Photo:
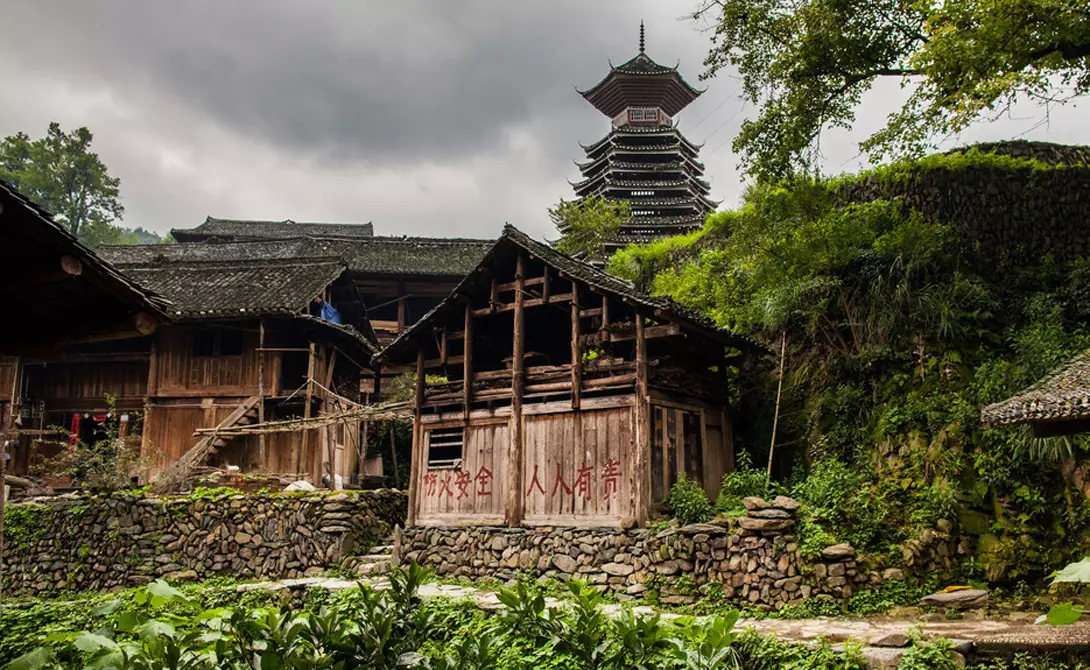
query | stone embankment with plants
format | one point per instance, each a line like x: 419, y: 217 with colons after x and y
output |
x: 753, y: 559
x: 98, y: 542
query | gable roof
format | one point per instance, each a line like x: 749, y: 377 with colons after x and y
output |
x: 422, y: 256
x: 91, y: 291
x: 239, y: 289
x: 576, y: 270
x: 236, y: 229
x: 1063, y: 394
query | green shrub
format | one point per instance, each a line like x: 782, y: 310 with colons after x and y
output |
x: 745, y: 481
x: 690, y: 503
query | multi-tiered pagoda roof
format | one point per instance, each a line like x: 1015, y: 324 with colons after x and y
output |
x: 645, y: 159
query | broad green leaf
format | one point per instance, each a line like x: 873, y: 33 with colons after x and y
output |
x: 91, y: 642
x: 155, y: 629
x: 162, y: 593
x: 107, y: 608
x: 1075, y: 572
x: 1063, y: 614
x: 32, y: 660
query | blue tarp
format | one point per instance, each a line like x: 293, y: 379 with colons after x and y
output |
x: 330, y: 313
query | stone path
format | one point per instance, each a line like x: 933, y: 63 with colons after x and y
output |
x: 879, y: 636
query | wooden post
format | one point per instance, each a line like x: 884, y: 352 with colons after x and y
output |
x: 493, y: 295
x: 393, y: 451
x: 443, y: 351
x: 605, y: 311
x: 776, y: 416
x: 6, y: 405
x: 261, y: 452
x: 576, y: 353
x: 467, y: 363
x: 642, y: 435
x: 516, y: 456
x: 418, y: 463
x: 361, y: 450
x: 152, y: 390
x: 306, y: 410
x: 545, y: 285
x: 402, y: 314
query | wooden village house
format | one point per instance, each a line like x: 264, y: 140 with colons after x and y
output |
x: 248, y: 344
x: 551, y: 393
x: 241, y: 350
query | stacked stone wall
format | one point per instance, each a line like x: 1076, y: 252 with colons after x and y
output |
x: 1000, y: 211
x: 95, y: 542
x: 753, y: 559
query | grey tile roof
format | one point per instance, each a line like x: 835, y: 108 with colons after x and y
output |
x: 422, y: 256
x: 1061, y: 395
x: 235, y: 229
x: 579, y: 271
x: 238, y: 289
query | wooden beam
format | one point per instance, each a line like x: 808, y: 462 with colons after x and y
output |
x: 576, y: 353
x: 402, y: 314
x: 306, y: 410
x: 467, y: 361
x: 650, y: 333
x: 642, y: 433
x: 262, y: 454
x: 513, y: 509
x: 532, y: 281
x: 416, y: 467
x: 533, y: 302
x: 38, y: 273
x: 584, y: 313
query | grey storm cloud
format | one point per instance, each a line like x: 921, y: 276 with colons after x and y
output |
x: 390, y: 83
x: 428, y: 117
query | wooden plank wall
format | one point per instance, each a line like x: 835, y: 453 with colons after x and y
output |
x: 83, y: 386
x: 169, y: 426
x: 180, y: 373
x: 580, y: 468
x: 473, y: 493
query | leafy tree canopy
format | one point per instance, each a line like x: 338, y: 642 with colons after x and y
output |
x: 587, y: 224
x: 62, y: 174
x: 807, y: 64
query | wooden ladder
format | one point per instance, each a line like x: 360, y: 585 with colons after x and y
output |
x: 176, y: 473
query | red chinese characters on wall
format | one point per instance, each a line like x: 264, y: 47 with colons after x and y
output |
x: 456, y: 483
x: 583, y: 484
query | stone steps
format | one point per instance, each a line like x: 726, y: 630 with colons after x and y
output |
x: 377, y: 561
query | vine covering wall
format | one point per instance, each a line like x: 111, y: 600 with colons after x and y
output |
x: 97, y: 542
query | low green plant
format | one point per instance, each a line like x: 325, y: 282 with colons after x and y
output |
x: 689, y: 502
x: 743, y: 482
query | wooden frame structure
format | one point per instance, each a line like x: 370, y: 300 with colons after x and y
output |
x: 549, y: 393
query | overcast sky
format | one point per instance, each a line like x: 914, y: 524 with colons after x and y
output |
x: 428, y: 118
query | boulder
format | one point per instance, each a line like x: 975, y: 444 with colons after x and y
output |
x: 838, y: 552
x: 785, y: 503
x: 891, y: 640
x: 564, y: 563
x: 765, y: 524
x: 770, y: 513
x: 754, y: 503
x: 959, y: 599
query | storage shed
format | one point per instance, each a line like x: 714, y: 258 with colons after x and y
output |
x: 551, y: 393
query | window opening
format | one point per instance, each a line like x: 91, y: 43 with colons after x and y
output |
x: 445, y: 447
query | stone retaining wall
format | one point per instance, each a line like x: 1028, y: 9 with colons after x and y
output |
x: 95, y: 542
x: 753, y: 559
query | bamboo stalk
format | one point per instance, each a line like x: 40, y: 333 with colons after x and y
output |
x: 776, y: 416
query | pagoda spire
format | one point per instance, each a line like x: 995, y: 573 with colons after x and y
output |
x: 645, y: 159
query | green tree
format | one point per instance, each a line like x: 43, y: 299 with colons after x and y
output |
x: 586, y: 225
x: 807, y: 63
x: 62, y: 174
